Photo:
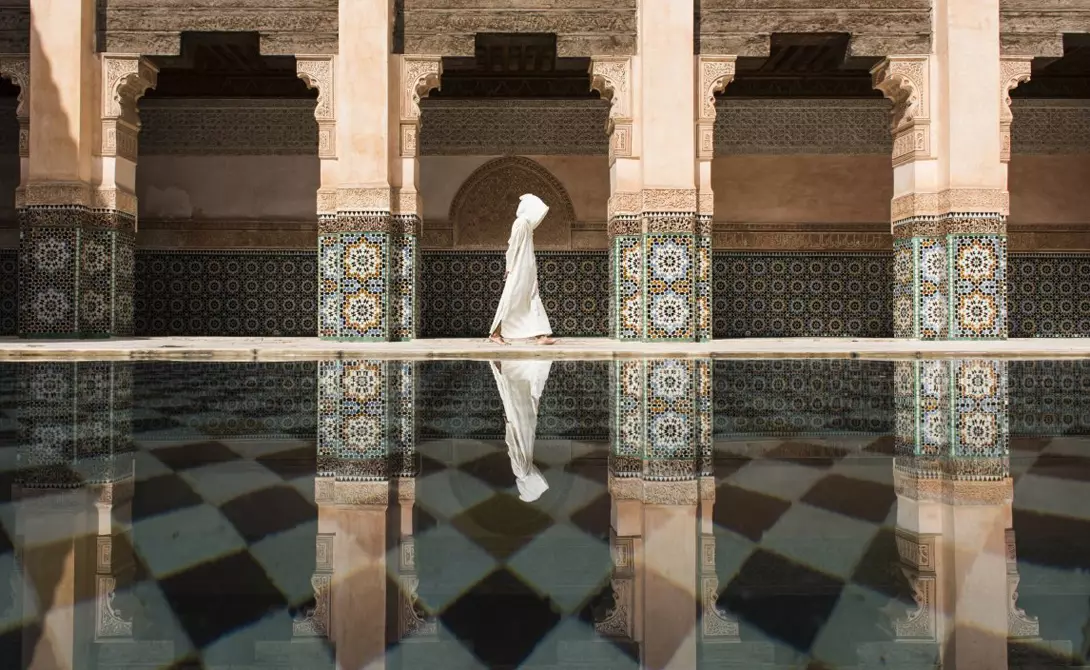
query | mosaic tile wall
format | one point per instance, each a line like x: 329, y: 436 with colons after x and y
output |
x: 9, y: 283
x: 458, y: 399
x: 801, y: 295
x: 1049, y: 294
x: 460, y: 291
x: 226, y: 293
x: 1049, y: 397
x: 818, y: 294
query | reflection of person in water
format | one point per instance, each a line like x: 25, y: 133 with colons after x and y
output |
x: 520, y: 384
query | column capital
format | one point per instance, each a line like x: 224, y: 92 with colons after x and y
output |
x: 319, y: 72
x: 905, y: 81
x: 611, y: 77
x: 1013, y: 71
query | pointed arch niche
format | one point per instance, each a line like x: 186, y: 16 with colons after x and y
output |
x: 484, y: 206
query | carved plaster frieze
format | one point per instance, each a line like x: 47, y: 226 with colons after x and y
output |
x: 1013, y: 70
x: 669, y: 200
x: 323, y: 490
x: 419, y: 76
x: 56, y: 193
x: 905, y: 80
x: 622, y: 550
x: 363, y: 199
x: 327, y: 201
x: 986, y: 200
x: 671, y: 493
x: 117, y: 199
x: 406, y: 202
x: 611, y: 77
x: 715, y: 73
x: 1020, y: 625
x: 361, y: 492
x: 953, y: 492
x: 125, y: 79
x: 916, y: 551
x: 623, y: 203
x: 318, y: 72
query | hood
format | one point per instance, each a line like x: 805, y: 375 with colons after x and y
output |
x: 532, y: 209
x: 532, y: 485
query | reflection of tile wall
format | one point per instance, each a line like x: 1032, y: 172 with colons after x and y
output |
x: 225, y: 400
x: 460, y: 290
x: 9, y: 282
x: 802, y: 397
x: 1049, y: 294
x: 1049, y: 397
x: 799, y: 294
x: 458, y: 399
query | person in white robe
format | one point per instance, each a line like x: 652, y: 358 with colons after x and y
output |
x: 521, y: 384
x: 521, y: 314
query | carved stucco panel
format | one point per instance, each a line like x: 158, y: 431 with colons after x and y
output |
x: 1013, y: 70
x: 611, y: 76
x: 318, y: 72
x: 905, y: 81
x: 484, y: 207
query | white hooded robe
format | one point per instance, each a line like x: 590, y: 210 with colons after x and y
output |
x: 521, y: 384
x: 521, y: 314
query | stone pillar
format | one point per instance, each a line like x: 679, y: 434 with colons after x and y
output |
x: 77, y: 209
x: 660, y: 250
x: 367, y: 238
x: 950, y: 202
x: 662, y: 419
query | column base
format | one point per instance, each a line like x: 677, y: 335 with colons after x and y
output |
x: 75, y: 272
x: 661, y: 268
x: 950, y: 277
x: 367, y: 277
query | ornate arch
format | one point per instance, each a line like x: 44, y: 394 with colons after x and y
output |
x: 484, y: 207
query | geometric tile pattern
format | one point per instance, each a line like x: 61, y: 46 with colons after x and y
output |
x: 353, y: 268
x: 459, y: 292
x: 76, y: 272
x: 1049, y: 294
x: 952, y: 418
x: 662, y: 419
x: 366, y: 421
x: 226, y: 293
x: 1049, y: 398
x: 799, y: 294
x: 458, y: 400
x: 626, y: 305
x: 9, y: 286
x: 670, y: 273
x: 951, y: 287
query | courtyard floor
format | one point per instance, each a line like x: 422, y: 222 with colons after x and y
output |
x: 302, y: 348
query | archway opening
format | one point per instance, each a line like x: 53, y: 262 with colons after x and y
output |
x: 9, y: 223
x: 226, y: 181
x: 512, y: 119
x: 802, y: 181
x: 1048, y: 274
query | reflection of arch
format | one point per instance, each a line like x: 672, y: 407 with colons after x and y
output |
x: 484, y: 207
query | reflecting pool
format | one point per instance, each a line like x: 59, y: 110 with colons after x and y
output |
x: 666, y: 513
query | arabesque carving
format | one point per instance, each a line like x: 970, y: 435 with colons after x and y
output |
x: 125, y: 79
x: 16, y: 69
x: 318, y: 72
x: 715, y: 73
x: 1013, y: 70
x: 419, y: 76
x: 484, y: 207
x: 611, y: 77
x: 904, y: 80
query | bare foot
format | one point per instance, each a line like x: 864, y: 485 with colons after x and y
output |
x: 496, y: 339
x: 545, y: 339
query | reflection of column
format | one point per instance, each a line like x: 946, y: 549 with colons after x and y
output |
x: 662, y: 419
x: 951, y: 473
x: 414, y: 622
x: 950, y: 201
x: 74, y: 494
x: 366, y: 419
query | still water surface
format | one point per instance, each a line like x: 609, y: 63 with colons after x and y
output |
x: 535, y: 514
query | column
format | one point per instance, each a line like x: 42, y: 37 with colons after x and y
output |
x: 660, y: 250
x: 367, y: 234
x: 950, y: 202
x: 77, y: 210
